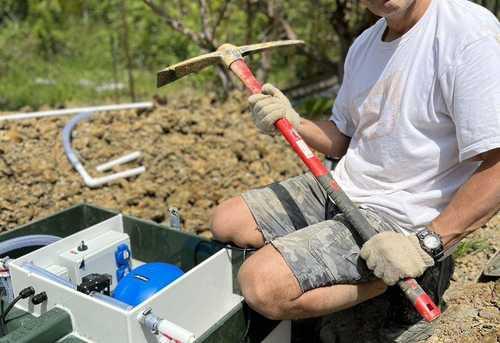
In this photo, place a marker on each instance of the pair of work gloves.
(391, 256)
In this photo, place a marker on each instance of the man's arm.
(324, 136)
(272, 104)
(472, 91)
(473, 204)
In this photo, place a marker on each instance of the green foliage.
(63, 52)
(56, 79)
(316, 107)
(55, 52)
(13, 10)
(470, 246)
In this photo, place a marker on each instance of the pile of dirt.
(197, 152)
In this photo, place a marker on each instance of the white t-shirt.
(418, 109)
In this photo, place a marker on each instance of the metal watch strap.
(436, 253)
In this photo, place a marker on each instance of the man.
(417, 124)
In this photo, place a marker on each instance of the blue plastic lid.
(144, 281)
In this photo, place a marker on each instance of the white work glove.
(394, 256)
(269, 106)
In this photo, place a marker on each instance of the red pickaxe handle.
(414, 293)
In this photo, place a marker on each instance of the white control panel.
(96, 255)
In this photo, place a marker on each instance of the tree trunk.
(126, 49)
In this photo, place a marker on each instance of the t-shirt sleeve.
(340, 111)
(475, 102)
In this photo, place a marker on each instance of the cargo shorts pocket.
(322, 255)
(335, 248)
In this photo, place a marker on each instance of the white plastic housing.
(196, 302)
(99, 257)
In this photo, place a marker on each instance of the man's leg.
(264, 215)
(260, 215)
(233, 222)
(310, 272)
(268, 284)
(270, 288)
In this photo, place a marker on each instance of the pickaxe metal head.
(226, 54)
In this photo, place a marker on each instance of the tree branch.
(274, 12)
(205, 21)
(176, 25)
(290, 33)
(249, 15)
(206, 39)
(220, 16)
(182, 7)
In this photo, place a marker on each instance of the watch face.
(432, 242)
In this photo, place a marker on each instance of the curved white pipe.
(73, 159)
(54, 113)
(99, 181)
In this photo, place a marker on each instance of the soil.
(473, 313)
(197, 153)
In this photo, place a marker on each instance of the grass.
(80, 74)
(471, 246)
(33, 81)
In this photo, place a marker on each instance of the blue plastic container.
(144, 281)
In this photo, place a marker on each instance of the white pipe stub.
(120, 160)
(165, 330)
(99, 181)
(66, 111)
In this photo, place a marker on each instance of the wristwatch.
(431, 243)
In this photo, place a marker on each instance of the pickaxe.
(232, 57)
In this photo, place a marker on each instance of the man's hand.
(393, 256)
(269, 106)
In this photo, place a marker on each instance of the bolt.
(82, 246)
(175, 218)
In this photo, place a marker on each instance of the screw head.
(82, 246)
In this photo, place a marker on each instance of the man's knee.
(232, 221)
(221, 217)
(257, 295)
(269, 288)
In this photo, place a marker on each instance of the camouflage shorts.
(313, 237)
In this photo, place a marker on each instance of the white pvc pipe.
(54, 113)
(174, 332)
(99, 181)
(120, 160)
(75, 162)
(164, 329)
